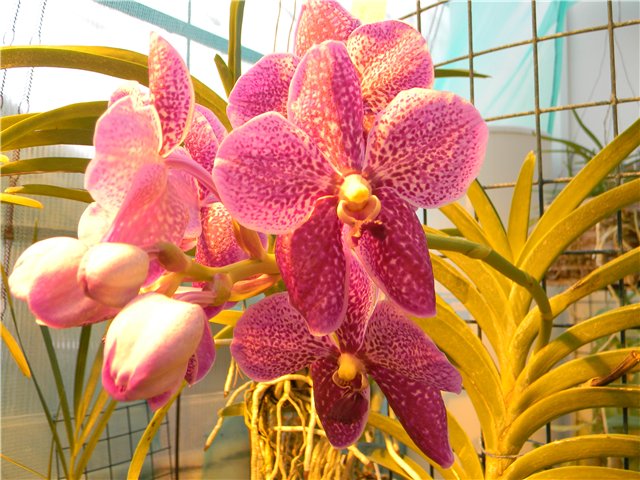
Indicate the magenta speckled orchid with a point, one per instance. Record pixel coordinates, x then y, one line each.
141 179
389 56
308 176
154 344
271 340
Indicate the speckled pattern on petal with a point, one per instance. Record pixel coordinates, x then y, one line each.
203 358
269 174
427 145
201 141
391 56
217 245
313 267
322 20
421 411
263 88
393 341
271 339
127 136
218 128
342 412
325 101
171 91
394 252
362 301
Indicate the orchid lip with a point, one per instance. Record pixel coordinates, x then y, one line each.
355 191
349 369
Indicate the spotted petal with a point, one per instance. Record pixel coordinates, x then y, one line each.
127 137
271 339
201 141
325 101
263 88
313 267
421 411
391 56
342 412
217 245
393 341
393 250
269 174
217 126
322 20
202 360
171 91
427 145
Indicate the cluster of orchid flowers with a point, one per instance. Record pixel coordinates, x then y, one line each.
332 151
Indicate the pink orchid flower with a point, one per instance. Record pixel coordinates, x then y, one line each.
308 176
154 344
141 179
389 56
271 340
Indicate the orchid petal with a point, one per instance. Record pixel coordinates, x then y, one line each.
313 267
362 301
427 145
269 174
161 400
130 88
188 193
94 223
172 92
393 341
421 411
148 346
127 137
218 128
202 360
271 339
322 20
393 249
201 141
391 56
217 245
263 88
325 101
342 412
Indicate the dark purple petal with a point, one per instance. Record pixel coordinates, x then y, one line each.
393 341
271 339
322 20
171 91
391 56
421 411
342 411
325 101
263 88
313 267
393 249
269 174
362 301
427 145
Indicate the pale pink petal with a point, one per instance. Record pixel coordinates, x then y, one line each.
133 88
271 339
393 249
188 190
342 411
161 400
427 145
313 267
421 411
217 245
322 20
45 276
393 341
263 88
269 174
171 91
201 361
325 101
218 128
94 223
391 56
201 141
362 301
127 137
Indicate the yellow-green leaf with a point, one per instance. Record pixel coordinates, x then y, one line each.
77 194
18 200
45 165
585 473
520 210
382 457
489 219
227 317
235 38
234 410
15 351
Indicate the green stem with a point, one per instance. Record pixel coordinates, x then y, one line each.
237 271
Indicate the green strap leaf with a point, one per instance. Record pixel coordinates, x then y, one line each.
81 363
233 410
94 438
572 449
560 403
584 182
235 36
22 466
457 72
227 317
464 449
382 457
55 136
520 210
585 473
77 194
489 219
15 350
89 390
225 74
19 200
45 165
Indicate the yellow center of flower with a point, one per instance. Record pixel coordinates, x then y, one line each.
348 367
355 191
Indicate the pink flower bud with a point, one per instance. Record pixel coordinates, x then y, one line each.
112 273
154 344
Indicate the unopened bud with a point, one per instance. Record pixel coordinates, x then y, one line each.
112 273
